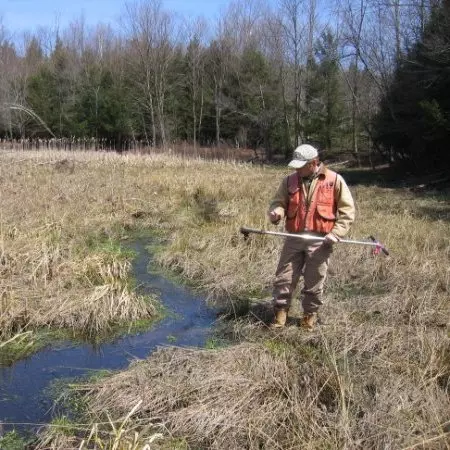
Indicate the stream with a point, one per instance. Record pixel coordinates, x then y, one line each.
25 400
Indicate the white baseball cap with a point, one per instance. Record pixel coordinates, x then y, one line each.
302 155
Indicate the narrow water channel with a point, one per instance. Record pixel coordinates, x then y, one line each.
24 396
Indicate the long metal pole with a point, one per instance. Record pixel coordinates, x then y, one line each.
311 237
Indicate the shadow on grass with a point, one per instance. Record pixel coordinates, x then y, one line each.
255 311
424 188
435 213
395 177
262 313
438 207
382 177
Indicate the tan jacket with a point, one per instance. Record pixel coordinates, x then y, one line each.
345 204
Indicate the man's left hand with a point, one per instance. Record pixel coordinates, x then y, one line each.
331 239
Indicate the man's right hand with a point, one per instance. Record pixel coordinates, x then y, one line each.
274 217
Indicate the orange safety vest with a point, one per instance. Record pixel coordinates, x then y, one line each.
320 214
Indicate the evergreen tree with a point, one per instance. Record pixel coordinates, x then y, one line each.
42 99
50 93
413 125
329 101
101 109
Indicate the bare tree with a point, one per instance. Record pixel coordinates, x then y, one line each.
354 17
294 34
219 61
11 92
275 48
299 22
196 61
151 30
5 117
242 24
375 36
243 30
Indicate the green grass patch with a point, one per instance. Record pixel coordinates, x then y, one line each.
13 441
27 343
216 343
30 342
278 347
68 394
63 425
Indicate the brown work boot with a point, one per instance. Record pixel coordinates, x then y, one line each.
308 321
280 318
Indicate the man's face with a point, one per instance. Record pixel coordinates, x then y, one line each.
307 170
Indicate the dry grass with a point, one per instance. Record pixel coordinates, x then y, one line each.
291 392
59 262
376 376
227 398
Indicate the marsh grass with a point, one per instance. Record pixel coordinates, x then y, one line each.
375 375
62 263
26 343
12 441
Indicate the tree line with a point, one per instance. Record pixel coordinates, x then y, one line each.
358 77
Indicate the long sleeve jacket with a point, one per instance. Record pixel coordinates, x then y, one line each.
345 208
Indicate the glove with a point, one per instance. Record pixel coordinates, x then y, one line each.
274 217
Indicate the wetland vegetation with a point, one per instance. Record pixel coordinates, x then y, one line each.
375 375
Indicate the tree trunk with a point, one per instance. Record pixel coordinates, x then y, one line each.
355 113
218 110
152 115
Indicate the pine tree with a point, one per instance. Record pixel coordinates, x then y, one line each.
413 125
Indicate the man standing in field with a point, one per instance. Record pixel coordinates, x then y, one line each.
316 200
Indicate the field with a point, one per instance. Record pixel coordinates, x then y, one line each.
376 375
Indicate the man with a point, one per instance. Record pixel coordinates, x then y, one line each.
316 200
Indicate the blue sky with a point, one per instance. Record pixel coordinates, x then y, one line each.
22 15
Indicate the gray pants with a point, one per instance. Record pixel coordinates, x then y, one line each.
301 257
